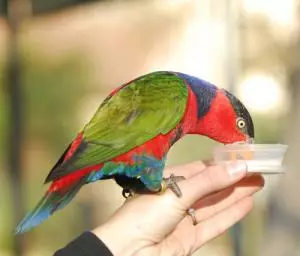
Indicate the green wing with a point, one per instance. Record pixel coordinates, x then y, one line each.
146 107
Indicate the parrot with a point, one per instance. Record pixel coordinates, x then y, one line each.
130 134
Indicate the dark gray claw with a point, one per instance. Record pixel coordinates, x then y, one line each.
127 193
171 183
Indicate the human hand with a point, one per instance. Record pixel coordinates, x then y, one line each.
158 224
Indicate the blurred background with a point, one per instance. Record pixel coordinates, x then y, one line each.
60 58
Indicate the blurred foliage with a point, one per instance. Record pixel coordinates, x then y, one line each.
52 93
3 7
4 195
43 6
3 110
268 128
268 52
5 213
191 148
5 208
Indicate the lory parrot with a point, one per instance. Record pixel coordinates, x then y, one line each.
131 133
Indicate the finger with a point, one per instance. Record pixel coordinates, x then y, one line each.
215 203
247 181
212 179
219 223
187 170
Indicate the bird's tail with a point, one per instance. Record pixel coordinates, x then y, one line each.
51 202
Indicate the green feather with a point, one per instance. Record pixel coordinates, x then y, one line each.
146 107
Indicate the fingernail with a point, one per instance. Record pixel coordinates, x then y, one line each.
237 169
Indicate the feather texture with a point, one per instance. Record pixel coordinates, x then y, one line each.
138 112
51 202
131 133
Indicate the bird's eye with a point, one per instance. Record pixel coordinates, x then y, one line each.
241 123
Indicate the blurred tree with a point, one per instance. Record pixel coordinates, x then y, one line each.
283 219
19 75
45 6
264 51
3 112
14 140
3 7
261 51
53 93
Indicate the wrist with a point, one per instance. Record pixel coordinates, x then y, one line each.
120 241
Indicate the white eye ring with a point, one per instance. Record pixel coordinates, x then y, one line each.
241 123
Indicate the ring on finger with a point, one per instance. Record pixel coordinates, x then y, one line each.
191 212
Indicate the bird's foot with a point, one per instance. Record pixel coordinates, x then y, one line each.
128 193
171 183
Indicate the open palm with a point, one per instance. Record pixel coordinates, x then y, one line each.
159 225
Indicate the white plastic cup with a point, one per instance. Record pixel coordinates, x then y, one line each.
260 158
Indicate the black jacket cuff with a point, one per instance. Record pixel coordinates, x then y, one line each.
87 244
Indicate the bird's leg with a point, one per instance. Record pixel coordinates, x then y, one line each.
171 183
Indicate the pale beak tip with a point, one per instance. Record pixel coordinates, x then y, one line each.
250 141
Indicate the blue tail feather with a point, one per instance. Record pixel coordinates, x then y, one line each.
51 202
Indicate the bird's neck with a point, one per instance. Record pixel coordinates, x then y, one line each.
215 124
201 96
189 121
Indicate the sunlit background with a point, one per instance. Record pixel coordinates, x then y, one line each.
67 55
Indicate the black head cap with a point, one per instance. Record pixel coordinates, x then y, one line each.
243 115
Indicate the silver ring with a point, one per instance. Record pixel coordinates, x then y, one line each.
192 213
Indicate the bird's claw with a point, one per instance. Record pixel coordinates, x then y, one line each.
171 183
166 183
128 193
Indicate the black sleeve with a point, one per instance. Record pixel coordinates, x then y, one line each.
87 244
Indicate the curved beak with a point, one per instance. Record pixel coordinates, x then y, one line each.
250 140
